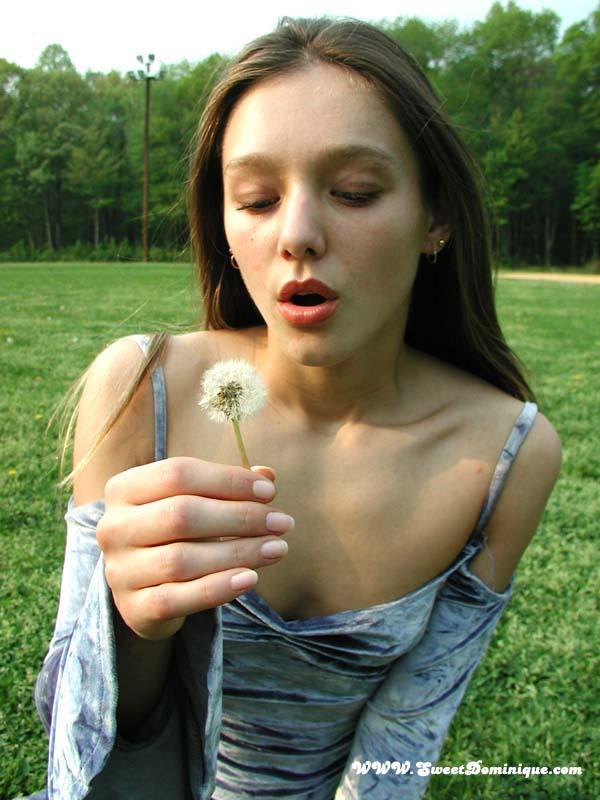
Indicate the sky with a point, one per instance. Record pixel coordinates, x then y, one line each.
108 34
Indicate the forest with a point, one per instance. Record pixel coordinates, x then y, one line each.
524 95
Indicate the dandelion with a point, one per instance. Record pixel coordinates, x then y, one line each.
233 391
9 340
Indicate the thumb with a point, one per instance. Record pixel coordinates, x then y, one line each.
266 471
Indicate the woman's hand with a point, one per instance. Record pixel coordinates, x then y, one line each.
161 538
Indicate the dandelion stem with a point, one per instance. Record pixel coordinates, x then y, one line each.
240 444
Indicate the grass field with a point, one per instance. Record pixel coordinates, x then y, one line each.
533 701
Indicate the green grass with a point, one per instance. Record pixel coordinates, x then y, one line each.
533 700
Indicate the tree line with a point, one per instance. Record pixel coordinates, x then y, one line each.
526 100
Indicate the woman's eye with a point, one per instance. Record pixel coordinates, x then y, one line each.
257 205
349 198
356 198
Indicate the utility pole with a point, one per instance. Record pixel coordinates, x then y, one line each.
146 75
146 179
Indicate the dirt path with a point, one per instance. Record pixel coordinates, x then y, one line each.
549 276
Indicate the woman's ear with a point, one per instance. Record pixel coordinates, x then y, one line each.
437 237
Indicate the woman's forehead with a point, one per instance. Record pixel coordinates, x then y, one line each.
321 106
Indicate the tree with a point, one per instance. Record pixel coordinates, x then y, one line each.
505 164
98 169
586 205
54 58
431 45
52 99
12 208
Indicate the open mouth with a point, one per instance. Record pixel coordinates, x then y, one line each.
307 299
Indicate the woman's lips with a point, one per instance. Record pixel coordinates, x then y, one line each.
307 315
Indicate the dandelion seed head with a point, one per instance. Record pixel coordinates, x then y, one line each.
232 390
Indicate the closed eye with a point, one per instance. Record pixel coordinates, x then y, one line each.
258 205
356 198
349 198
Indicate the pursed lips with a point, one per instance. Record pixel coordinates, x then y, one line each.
312 286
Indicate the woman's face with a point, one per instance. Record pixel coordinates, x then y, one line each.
321 182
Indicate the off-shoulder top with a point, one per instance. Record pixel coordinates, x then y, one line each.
340 706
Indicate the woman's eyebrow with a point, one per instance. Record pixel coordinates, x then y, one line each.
333 155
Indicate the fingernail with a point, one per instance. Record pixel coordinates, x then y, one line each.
244 580
281 523
274 549
264 490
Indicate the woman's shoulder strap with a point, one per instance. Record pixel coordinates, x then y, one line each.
517 436
159 392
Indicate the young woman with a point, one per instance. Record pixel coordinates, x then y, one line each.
207 646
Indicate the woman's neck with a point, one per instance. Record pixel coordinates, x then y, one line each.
323 398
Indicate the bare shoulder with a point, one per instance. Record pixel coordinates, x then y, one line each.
485 417
530 481
521 506
130 439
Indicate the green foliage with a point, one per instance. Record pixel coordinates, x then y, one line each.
430 44
505 165
108 250
54 58
587 201
527 101
533 699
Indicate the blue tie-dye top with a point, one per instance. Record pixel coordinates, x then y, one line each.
341 706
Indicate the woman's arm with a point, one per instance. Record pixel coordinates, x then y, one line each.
407 719
103 692
129 444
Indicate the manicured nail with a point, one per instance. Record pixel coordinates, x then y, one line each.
281 523
244 580
274 549
264 490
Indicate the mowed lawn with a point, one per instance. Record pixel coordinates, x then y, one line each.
534 699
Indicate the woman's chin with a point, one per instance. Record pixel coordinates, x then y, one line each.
311 346
315 351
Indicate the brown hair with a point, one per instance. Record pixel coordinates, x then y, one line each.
452 314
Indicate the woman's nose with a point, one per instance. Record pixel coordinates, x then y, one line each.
301 232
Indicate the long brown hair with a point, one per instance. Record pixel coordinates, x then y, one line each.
452 313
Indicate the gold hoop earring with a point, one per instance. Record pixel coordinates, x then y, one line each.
234 263
432 258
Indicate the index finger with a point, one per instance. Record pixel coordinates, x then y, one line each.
187 475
